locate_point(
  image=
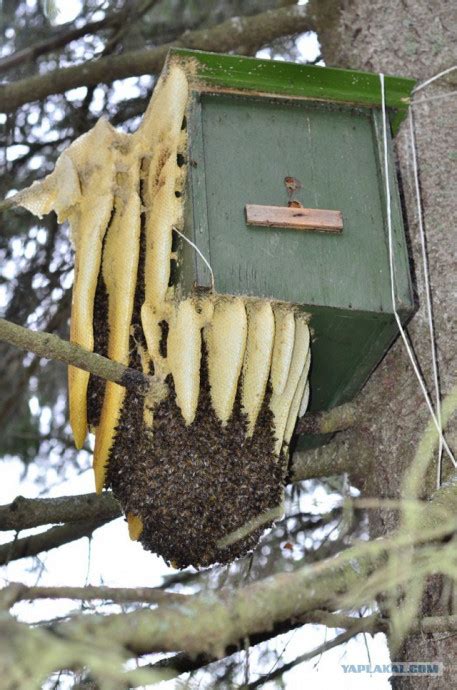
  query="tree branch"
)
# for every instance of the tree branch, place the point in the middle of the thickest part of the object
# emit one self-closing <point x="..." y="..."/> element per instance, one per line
<point x="46" y="653"/>
<point x="185" y="663"/>
<point x="50" y="346"/>
<point x="16" y="591"/>
<point x="336" y="457"/>
<point x="439" y="624"/>
<point x="324" y="461"/>
<point x="236" y="33"/>
<point x="211" y="624"/>
<point x="85" y="509"/>
<point x="279" y="671"/>
<point x="60" y="39"/>
<point x="51" y="539"/>
<point x="328" y="422"/>
<point x="24" y="513"/>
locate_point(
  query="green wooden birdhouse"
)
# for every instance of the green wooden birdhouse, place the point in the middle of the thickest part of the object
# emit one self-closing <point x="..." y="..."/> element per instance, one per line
<point x="274" y="148"/>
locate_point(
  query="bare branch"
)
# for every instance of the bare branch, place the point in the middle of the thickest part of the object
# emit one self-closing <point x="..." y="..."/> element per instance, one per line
<point x="185" y="663"/>
<point x="62" y="38"/>
<point x="211" y="624"/>
<point x="50" y="346"/>
<point x="328" y="422"/>
<point x="16" y="591"/>
<point x="222" y="620"/>
<point x="336" y="457"/>
<point x="217" y="624"/>
<point x="59" y="40"/>
<point x="356" y="629"/>
<point x="51" y="539"/>
<point x="24" y="513"/>
<point x="64" y="647"/>
<point x="236" y="33"/>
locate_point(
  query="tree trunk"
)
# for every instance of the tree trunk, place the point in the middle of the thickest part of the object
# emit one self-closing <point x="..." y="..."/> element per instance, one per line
<point x="414" y="38"/>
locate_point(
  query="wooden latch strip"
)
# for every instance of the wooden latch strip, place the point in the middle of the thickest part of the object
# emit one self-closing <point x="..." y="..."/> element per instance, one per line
<point x="308" y="219"/>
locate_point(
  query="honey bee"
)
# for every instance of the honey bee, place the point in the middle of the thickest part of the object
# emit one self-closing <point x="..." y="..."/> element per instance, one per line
<point x="292" y="186"/>
<point x="288" y="546"/>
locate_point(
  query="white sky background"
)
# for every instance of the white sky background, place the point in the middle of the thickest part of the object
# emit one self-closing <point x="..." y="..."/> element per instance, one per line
<point x="117" y="561"/>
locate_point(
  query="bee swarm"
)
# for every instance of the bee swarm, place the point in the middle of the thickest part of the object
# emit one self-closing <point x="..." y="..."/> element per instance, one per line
<point x="200" y="473"/>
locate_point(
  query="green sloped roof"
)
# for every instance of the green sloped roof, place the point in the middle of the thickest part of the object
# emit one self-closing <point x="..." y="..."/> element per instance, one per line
<point x="304" y="81"/>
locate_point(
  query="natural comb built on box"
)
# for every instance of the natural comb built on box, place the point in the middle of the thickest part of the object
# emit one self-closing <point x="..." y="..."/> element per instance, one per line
<point x="200" y="471"/>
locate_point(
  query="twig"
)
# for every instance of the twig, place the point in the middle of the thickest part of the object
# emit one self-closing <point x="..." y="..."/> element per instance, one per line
<point x="320" y="649"/>
<point x="50" y="346"/>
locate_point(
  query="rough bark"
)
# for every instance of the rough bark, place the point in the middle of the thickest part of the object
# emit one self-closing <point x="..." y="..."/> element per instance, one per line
<point x="417" y="39"/>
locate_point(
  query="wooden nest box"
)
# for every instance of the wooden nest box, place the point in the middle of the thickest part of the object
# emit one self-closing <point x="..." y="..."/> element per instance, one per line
<point x="273" y="173"/>
<point x="253" y="123"/>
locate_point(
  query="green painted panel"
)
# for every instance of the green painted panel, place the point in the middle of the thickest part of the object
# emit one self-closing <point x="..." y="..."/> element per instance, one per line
<point x="346" y="347"/>
<point x="249" y="146"/>
<point x="303" y="81"/>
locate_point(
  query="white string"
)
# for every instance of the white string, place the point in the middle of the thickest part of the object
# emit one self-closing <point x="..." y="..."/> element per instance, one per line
<point x="434" y="78"/>
<point x="198" y="252"/>
<point x="451" y="94"/>
<point x="428" y="294"/>
<point x="423" y="246"/>
<point x="408" y="347"/>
